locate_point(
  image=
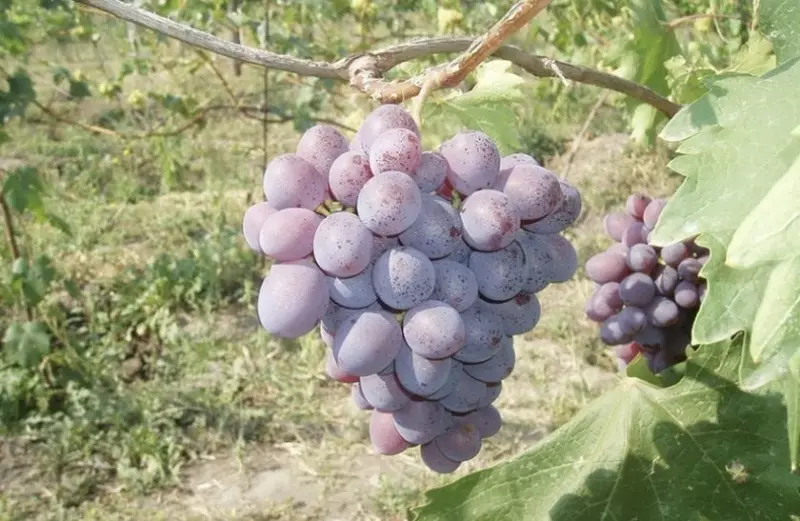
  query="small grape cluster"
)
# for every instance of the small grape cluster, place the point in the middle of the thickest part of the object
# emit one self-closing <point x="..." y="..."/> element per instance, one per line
<point x="417" y="294"/>
<point x="645" y="297"/>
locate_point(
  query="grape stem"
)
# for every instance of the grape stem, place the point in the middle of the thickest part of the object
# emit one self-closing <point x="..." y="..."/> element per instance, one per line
<point x="364" y="71"/>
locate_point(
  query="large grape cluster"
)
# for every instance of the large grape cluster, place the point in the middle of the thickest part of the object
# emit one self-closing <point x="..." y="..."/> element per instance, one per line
<point x="417" y="266"/>
<point x="645" y="297"/>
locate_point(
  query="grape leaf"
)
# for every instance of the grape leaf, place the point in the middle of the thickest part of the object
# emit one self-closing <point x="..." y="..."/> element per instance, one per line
<point x="732" y="296"/>
<point x="701" y="449"/>
<point x="488" y="106"/>
<point x="792" y="393"/>
<point x="780" y="19"/>
<point x="771" y="232"/>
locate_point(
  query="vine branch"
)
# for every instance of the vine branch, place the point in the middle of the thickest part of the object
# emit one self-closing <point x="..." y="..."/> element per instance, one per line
<point x="365" y="71"/>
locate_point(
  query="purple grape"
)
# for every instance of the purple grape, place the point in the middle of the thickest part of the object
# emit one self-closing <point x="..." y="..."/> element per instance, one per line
<point x="642" y="258"/>
<point x="484" y="334"/>
<point x="455" y="284"/>
<point x="651" y="338"/>
<point x="252" y="222"/>
<point x="632" y="319"/>
<point x="288" y="234"/>
<point x="539" y="261"/>
<point x="507" y="163"/>
<point x="336" y="314"/>
<point x="500" y="274"/>
<point x="498" y="367"/>
<point x="605" y="302"/>
<point x="686" y="295"/>
<point x="689" y="270"/>
<point x="462" y="442"/>
<point x="431" y="172"/>
<point x="367" y="342"/>
<point x="383" y="244"/>
<point x="403" y="278"/>
<point x="381" y="119"/>
<point x="395" y="150"/>
<point x="490" y="220"/>
<point x="614" y="331"/>
<point x="637" y="289"/>
<point x="616" y="223"/>
<point x="292" y="182"/>
<point x="437" y="231"/>
<point x="320" y="145"/>
<point x="486" y="419"/>
<point x="419" y="422"/>
<point x="635" y="233"/>
<point x="607" y="267"/>
<point x="563" y="216"/>
<point x="493" y="392"/>
<point x="461" y="253"/>
<point x="565" y="258"/>
<point x="353" y="292"/>
<point x="348" y="175"/>
<point x="389" y="204"/>
<point x="384" y="392"/>
<point x="666" y="279"/>
<point x="293" y="298"/>
<point x="533" y="190"/>
<point x="662" y="312"/>
<point x="636" y="204"/>
<point x="434" y="329"/>
<point x="467" y="394"/>
<point x="384" y="435"/>
<point x="419" y="375"/>
<point x="435" y="460"/>
<point x="355" y="144"/>
<point x="342" y="245"/>
<point x="473" y="161"/>
<point x="335" y="372"/>
<point x="674" y="253"/>
<point x="456" y="372"/>
<point x="358" y="398"/>
<point x="519" y="314"/>
<point x="653" y="212"/>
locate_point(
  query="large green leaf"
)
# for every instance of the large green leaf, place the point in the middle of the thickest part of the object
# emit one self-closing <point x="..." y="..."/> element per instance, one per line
<point x="699" y="450"/>
<point x="26" y="343"/>
<point x="780" y="20"/>
<point x="741" y="157"/>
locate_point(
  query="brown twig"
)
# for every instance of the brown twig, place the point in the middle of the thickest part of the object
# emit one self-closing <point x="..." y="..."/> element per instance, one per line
<point x="373" y="65"/>
<point x="576" y="144"/>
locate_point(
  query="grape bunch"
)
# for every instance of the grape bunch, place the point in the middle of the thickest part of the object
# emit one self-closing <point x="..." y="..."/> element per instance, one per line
<point x="645" y="297"/>
<point x="418" y="267"/>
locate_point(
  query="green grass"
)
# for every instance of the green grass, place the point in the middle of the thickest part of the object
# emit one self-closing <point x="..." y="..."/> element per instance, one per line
<point x="165" y="400"/>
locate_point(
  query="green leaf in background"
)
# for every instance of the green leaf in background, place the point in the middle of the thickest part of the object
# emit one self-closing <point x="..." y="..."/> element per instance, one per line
<point x="488" y="106"/>
<point x="23" y="189"/>
<point x="792" y="393"/>
<point x="631" y="453"/>
<point x="780" y="20"/>
<point x="27" y="343"/>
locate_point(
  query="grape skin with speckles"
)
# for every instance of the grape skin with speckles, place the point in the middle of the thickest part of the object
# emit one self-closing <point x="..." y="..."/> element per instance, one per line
<point x="497" y="367"/>
<point x="381" y="119"/>
<point x="288" y="234"/>
<point x="366" y="343"/>
<point x="389" y="203"/>
<point x="431" y="172"/>
<point x="519" y="314"/>
<point x="293" y="297"/>
<point x="455" y="284"/>
<point x="484" y="334"/>
<point x="473" y="161"/>
<point x="320" y="145"/>
<point x="252" y="222"/>
<point x="342" y="245"/>
<point x="419" y="375"/>
<point x="396" y="150"/>
<point x="563" y="216"/>
<point x="348" y="175"/>
<point x="403" y="278"/>
<point x="438" y="229"/>
<point x="490" y="220"/>
<point x="354" y="292"/>
<point x="434" y="329"/>
<point x="534" y="191"/>
<point x="500" y="274"/>
<point x="292" y="182"/>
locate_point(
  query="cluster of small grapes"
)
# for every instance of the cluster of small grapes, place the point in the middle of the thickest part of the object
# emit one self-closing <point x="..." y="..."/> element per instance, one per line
<point x="416" y="294"/>
<point x="645" y="297"/>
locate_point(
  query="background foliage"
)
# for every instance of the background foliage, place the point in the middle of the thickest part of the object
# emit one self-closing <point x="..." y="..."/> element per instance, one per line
<point x="126" y="161"/>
